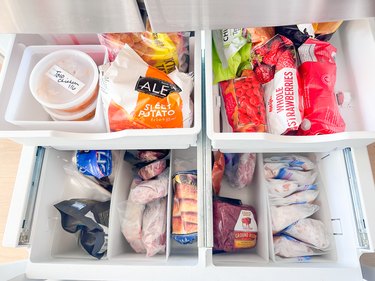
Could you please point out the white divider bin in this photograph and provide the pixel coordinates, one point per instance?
(355, 58)
(323, 214)
(61, 139)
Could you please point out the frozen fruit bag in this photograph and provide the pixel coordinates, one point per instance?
(275, 65)
(244, 105)
(154, 226)
(239, 168)
(138, 96)
(283, 188)
(217, 171)
(234, 225)
(301, 197)
(131, 217)
(284, 216)
(310, 231)
(318, 75)
(185, 207)
(159, 50)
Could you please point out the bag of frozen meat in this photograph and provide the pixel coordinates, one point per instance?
(218, 170)
(318, 75)
(244, 104)
(288, 247)
(275, 65)
(138, 96)
(239, 168)
(234, 225)
(283, 188)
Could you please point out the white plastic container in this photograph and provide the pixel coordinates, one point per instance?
(24, 111)
(65, 80)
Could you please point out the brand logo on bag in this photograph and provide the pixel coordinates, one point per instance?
(155, 87)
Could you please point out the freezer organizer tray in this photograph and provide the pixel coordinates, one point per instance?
(30, 110)
(347, 193)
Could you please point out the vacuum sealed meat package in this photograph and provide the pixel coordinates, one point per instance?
(154, 226)
(138, 96)
(318, 75)
(147, 191)
(283, 188)
(185, 207)
(275, 65)
(90, 219)
(234, 225)
(239, 168)
(153, 169)
(310, 231)
(244, 105)
(284, 216)
(131, 217)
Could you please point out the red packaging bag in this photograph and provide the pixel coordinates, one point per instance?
(318, 75)
(244, 105)
(275, 65)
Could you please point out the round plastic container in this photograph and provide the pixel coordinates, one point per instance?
(65, 80)
(60, 115)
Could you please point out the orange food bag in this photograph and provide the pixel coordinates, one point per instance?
(138, 96)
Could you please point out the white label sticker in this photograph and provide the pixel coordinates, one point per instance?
(246, 222)
(65, 79)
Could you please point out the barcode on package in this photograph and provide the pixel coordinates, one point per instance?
(65, 79)
(306, 53)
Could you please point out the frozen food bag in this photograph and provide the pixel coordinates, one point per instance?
(294, 34)
(239, 168)
(283, 171)
(310, 231)
(217, 171)
(244, 104)
(131, 218)
(154, 226)
(275, 65)
(140, 158)
(138, 96)
(260, 35)
(234, 225)
(185, 207)
(96, 164)
(163, 51)
(90, 219)
(283, 188)
(284, 216)
(325, 30)
(153, 169)
(296, 161)
(318, 75)
(238, 62)
(147, 191)
(228, 42)
(288, 247)
(301, 197)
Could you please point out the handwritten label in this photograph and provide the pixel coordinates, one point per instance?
(65, 79)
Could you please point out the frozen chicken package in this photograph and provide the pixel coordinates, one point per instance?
(138, 96)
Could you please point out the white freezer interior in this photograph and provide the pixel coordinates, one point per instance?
(355, 43)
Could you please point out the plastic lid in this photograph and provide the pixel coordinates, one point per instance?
(64, 79)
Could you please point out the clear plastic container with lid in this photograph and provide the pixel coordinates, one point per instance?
(65, 80)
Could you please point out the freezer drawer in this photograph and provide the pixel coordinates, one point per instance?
(176, 15)
(355, 43)
(62, 139)
(340, 204)
(53, 250)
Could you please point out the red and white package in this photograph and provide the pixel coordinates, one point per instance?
(318, 76)
(275, 65)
